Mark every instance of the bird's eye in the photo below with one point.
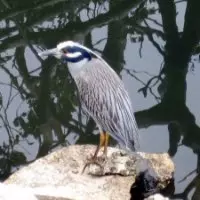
(64, 50)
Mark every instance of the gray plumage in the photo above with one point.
(102, 93)
(104, 98)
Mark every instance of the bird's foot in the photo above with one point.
(99, 161)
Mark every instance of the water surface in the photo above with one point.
(152, 45)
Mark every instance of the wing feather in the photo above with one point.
(104, 97)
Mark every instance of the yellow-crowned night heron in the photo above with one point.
(102, 94)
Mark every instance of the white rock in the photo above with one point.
(59, 174)
(13, 192)
(157, 197)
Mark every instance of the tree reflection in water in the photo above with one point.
(40, 105)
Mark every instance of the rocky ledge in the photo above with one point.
(59, 175)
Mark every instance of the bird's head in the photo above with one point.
(70, 52)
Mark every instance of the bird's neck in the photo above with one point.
(76, 67)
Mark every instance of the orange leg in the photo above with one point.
(103, 142)
(106, 135)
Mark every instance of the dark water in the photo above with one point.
(153, 45)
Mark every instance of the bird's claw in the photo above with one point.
(93, 162)
(99, 161)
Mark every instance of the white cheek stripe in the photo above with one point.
(75, 68)
(73, 55)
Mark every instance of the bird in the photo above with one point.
(102, 94)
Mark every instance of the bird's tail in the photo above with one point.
(132, 142)
(129, 146)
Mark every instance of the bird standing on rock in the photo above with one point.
(102, 94)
